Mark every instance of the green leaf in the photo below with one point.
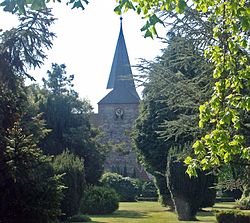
(9, 6)
(191, 171)
(145, 27)
(188, 160)
(154, 20)
(78, 4)
(38, 5)
(181, 5)
(148, 34)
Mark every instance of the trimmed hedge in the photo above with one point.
(99, 200)
(232, 216)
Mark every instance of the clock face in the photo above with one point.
(119, 113)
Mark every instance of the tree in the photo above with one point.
(189, 194)
(175, 86)
(18, 6)
(73, 177)
(231, 61)
(177, 82)
(68, 119)
(58, 82)
(30, 191)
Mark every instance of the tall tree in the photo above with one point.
(231, 61)
(176, 83)
(68, 119)
(30, 191)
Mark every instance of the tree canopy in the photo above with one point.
(230, 56)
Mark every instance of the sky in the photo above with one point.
(86, 42)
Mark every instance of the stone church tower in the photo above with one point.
(117, 112)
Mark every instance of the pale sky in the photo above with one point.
(86, 42)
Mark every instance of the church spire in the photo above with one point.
(121, 65)
(121, 78)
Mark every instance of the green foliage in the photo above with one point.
(126, 187)
(149, 189)
(79, 218)
(99, 200)
(229, 52)
(16, 45)
(232, 217)
(189, 194)
(18, 6)
(243, 203)
(176, 83)
(68, 118)
(30, 191)
(72, 169)
(58, 82)
(163, 192)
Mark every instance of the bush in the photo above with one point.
(73, 169)
(126, 187)
(149, 189)
(79, 218)
(232, 216)
(99, 200)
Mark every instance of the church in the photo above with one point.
(117, 112)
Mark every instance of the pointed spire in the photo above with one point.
(121, 78)
(121, 65)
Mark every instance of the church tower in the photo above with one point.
(117, 112)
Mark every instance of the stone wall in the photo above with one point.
(116, 121)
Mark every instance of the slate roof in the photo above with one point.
(121, 79)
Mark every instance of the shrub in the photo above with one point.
(79, 218)
(232, 216)
(126, 187)
(149, 189)
(99, 200)
(73, 169)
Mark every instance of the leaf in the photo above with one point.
(9, 6)
(181, 5)
(38, 5)
(118, 9)
(78, 4)
(148, 34)
(146, 26)
(188, 160)
(154, 20)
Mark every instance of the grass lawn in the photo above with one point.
(152, 212)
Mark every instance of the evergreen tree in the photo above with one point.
(177, 83)
(72, 169)
(68, 119)
(30, 191)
